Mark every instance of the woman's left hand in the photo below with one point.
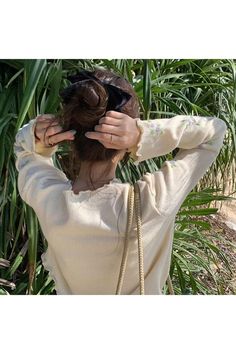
(48, 131)
(116, 130)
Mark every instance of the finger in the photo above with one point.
(46, 116)
(57, 138)
(109, 120)
(41, 129)
(107, 128)
(115, 114)
(103, 137)
(41, 125)
(54, 129)
(47, 119)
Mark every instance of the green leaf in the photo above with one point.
(32, 72)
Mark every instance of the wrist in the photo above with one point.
(137, 138)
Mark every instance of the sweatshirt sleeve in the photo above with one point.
(37, 175)
(199, 140)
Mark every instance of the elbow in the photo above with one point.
(213, 129)
(219, 129)
(215, 143)
(221, 126)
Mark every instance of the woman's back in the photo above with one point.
(86, 239)
(85, 232)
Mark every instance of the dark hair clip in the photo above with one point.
(117, 98)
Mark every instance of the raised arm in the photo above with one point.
(199, 140)
(37, 175)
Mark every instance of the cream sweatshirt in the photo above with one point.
(85, 232)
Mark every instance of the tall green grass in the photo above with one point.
(165, 88)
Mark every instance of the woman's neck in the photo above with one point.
(101, 172)
(99, 179)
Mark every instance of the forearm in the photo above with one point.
(160, 136)
(33, 162)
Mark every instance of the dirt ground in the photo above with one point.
(228, 212)
(224, 223)
(228, 208)
(220, 224)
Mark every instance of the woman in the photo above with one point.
(84, 219)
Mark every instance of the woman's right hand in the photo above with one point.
(116, 131)
(48, 131)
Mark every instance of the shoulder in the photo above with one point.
(148, 194)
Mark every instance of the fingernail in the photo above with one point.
(73, 131)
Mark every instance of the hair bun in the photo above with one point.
(86, 101)
(88, 94)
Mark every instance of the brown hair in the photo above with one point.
(83, 105)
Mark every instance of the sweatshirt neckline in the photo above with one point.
(88, 193)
